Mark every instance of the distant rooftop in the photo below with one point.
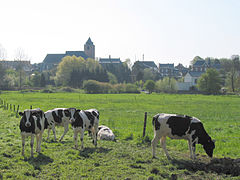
(110, 60)
(147, 64)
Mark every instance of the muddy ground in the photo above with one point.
(226, 166)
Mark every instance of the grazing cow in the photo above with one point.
(181, 127)
(59, 117)
(32, 123)
(85, 120)
(105, 133)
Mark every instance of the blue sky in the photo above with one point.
(165, 31)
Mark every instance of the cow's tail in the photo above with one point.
(155, 118)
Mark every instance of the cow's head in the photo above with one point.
(27, 115)
(209, 147)
(95, 113)
(70, 113)
(74, 114)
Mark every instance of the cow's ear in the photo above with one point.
(78, 110)
(94, 113)
(67, 113)
(21, 113)
(214, 140)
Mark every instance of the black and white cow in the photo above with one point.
(181, 127)
(59, 117)
(32, 124)
(85, 120)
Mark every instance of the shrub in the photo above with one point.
(131, 88)
(91, 86)
(67, 89)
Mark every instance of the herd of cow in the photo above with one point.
(35, 121)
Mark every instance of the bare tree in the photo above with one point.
(20, 55)
(3, 53)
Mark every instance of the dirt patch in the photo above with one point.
(226, 166)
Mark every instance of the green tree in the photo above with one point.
(72, 71)
(231, 67)
(35, 79)
(148, 74)
(2, 74)
(210, 82)
(112, 78)
(42, 80)
(167, 85)
(149, 85)
(196, 58)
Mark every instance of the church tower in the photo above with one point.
(89, 48)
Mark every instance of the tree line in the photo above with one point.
(76, 72)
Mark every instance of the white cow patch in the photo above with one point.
(105, 133)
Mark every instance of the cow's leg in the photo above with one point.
(65, 130)
(81, 137)
(194, 150)
(190, 148)
(75, 138)
(54, 132)
(94, 135)
(23, 144)
(163, 144)
(31, 144)
(39, 139)
(155, 142)
(49, 129)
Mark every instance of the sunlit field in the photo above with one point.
(128, 157)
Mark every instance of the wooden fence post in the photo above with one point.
(31, 107)
(145, 123)
(17, 111)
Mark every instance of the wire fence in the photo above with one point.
(16, 107)
(10, 107)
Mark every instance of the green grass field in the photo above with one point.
(130, 156)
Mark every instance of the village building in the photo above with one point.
(16, 64)
(52, 60)
(109, 61)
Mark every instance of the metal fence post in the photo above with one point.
(145, 123)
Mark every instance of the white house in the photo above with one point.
(190, 79)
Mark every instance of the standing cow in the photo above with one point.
(32, 124)
(181, 127)
(85, 120)
(59, 117)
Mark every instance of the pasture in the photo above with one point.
(130, 156)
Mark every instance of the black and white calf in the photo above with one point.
(32, 124)
(105, 133)
(181, 127)
(85, 120)
(59, 117)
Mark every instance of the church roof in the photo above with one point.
(89, 41)
(56, 58)
(76, 53)
(53, 58)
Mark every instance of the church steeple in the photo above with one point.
(89, 48)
